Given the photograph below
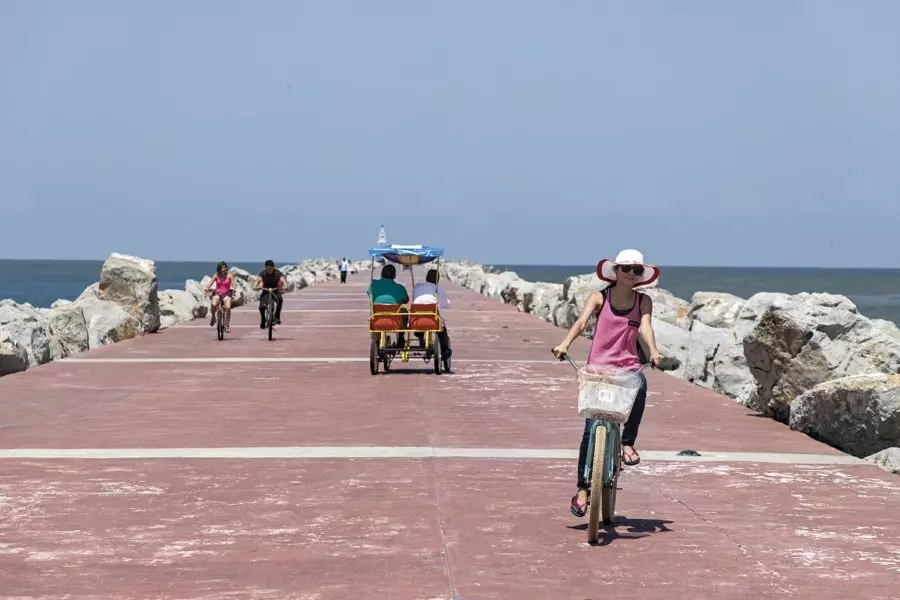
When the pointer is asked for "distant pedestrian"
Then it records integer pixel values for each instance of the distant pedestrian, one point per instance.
(345, 268)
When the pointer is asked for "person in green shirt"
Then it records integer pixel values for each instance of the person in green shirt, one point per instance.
(388, 291)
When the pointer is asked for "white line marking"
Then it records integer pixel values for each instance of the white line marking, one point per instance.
(409, 452)
(233, 326)
(356, 326)
(302, 299)
(284, 359)
(303, 310)
(366, 310)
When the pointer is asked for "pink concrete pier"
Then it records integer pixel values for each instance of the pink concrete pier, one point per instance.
(178, 466)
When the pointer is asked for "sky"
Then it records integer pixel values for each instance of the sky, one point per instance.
(702, 132)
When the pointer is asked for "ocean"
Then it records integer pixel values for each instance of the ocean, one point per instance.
(876, 292)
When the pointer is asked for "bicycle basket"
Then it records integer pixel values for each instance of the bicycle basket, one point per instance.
(606, 392)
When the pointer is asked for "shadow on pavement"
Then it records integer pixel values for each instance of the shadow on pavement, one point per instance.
(635, 528)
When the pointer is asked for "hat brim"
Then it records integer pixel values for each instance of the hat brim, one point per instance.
(606, 270)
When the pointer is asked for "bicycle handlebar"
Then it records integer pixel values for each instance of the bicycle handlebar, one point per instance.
(565, 356)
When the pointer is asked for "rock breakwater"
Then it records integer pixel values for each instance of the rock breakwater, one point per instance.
(808, 360)
(123, 304)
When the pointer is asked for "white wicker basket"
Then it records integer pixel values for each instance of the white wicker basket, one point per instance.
(606, 392)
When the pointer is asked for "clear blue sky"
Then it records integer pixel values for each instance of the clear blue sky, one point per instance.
(711, 132)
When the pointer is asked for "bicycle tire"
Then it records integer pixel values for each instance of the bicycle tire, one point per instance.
(436, 348)
(373, 356)
(220, 321)
(270, 314)
(596, 497)
(611, 474)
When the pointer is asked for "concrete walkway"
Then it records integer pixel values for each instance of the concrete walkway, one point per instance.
(178, 466)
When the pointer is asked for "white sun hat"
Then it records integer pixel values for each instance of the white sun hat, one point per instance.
(606, 269)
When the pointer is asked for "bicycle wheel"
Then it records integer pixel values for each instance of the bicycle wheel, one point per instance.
(373, 356)
(596, 498)
(220, 325)
(611, 473)
(436, 348)
(270, 315)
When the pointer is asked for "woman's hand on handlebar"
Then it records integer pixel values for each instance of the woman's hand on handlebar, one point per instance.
(560, 352)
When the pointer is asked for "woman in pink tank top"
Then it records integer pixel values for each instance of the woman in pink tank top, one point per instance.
(223, 282)
(623, 314)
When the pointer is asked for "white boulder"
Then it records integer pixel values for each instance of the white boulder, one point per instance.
(131, 283)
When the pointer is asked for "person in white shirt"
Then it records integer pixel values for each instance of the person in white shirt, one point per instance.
(345, 266)
(428, 292)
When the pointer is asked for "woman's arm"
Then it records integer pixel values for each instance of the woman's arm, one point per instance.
(646, 329)
(593, 303)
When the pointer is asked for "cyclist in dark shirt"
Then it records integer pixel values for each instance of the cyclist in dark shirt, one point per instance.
(270, 277)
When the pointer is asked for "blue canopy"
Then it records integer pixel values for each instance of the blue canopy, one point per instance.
(407, 255)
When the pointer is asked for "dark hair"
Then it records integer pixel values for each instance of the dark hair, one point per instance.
(270, 263)
(432, 276)
(220, 265)
(388, 271)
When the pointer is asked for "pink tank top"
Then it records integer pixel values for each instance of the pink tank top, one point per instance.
(615, 338)
(223, 286)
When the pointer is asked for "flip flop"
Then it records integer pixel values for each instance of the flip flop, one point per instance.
(633, 461)
(580, 512)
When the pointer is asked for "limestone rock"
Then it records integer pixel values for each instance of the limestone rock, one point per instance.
(68, 330)
(673, 343)
(703, 345)
(541, 298)
(179, 306)
(715, 309)
(27, 327)
(193, 287)
(859, 414)
(107, 322)
(888, 459)
(811, 339)
(131, 283)
(13, 357)
(669, 308)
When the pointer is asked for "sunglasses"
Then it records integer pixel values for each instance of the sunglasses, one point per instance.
(636, 269)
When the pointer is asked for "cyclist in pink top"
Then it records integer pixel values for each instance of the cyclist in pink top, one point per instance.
(622, 313)
(223, 282)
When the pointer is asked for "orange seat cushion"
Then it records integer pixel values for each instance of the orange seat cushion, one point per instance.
(385, 322)
(424, 317)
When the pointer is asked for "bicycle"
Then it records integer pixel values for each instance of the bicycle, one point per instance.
(220, 315)
(605, 395)
(270, 310)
